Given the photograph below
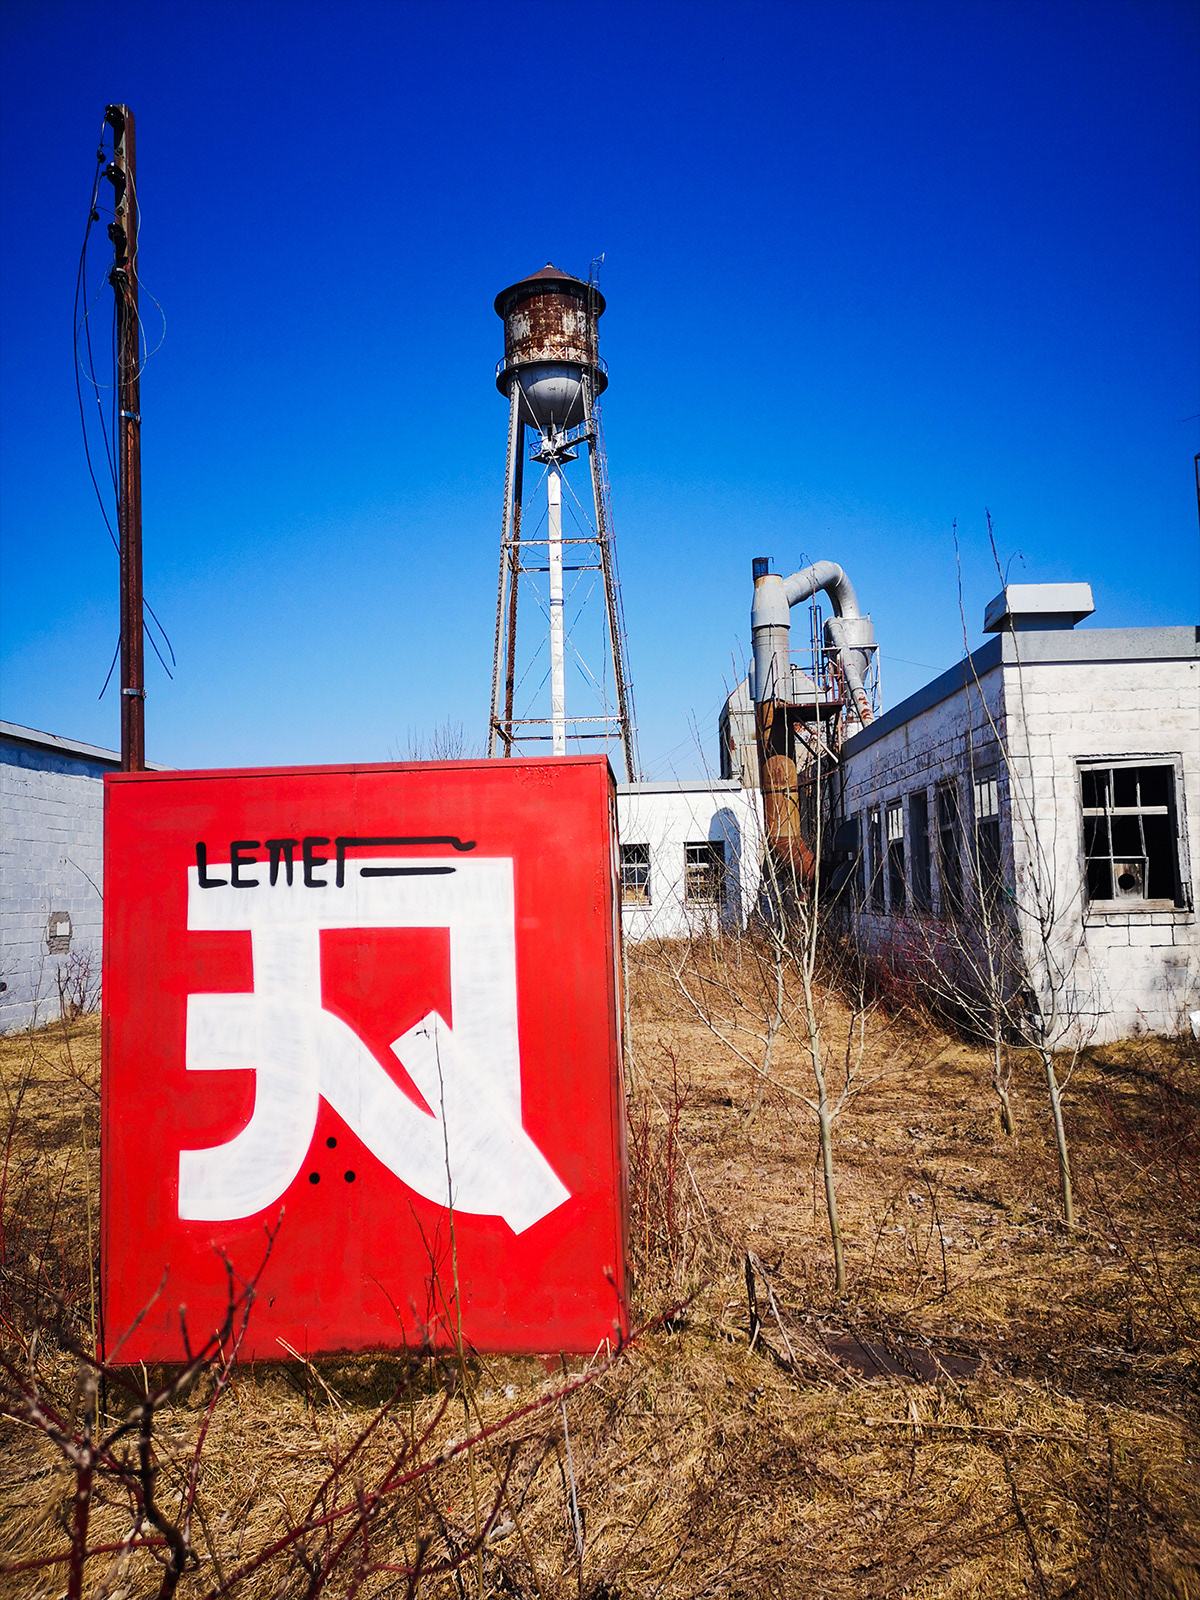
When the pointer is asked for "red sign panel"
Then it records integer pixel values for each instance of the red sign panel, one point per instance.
(363, 1006)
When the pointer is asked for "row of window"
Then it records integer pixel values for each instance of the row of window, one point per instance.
(1130, 843)
(703, 873)
(902, 878)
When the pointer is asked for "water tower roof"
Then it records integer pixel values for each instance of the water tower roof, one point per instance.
(547, 280)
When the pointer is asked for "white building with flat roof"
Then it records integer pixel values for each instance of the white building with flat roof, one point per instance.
(690, 857)
(1055, 774)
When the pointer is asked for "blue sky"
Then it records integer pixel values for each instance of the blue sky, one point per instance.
(870, 267)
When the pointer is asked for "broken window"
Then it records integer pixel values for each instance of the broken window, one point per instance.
(705, 868)
(989, 876)
(875, 837)
(635, 874)
(58, 933)
(918, 833)
(895, 857)
(847, 879)
(949, 850)
(1129, 833)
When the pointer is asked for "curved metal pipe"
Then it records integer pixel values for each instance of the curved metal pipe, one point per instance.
(848, 632)
(825, 575)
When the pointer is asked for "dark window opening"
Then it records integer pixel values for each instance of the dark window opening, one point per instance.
(848, 879)
(988, 868)
(918, 833)
(705, 868)
(991, 876)
(1129, 834)
(949, 851)
(635, 874)
(875, 836)
(895, 858)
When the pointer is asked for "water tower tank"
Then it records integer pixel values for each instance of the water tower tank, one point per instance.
(549, 343)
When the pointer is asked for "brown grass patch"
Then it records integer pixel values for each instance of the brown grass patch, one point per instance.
(994, 1408)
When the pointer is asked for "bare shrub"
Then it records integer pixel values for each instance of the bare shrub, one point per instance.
(449, 741)
(988, 1411)
(78, 982)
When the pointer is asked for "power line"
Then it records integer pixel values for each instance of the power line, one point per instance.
(108, 429)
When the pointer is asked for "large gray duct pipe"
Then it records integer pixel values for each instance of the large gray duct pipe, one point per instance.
(848, 632)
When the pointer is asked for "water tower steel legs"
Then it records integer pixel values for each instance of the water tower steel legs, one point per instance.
(508, 731)
(510, 656)
(558, 685)
(616, 621)
(509, 533)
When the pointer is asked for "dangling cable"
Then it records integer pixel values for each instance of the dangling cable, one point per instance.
(108, 429)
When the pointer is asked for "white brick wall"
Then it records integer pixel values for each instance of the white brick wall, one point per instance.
(51, 859)
(1128, 973)
(1144, 968)
(666, 819)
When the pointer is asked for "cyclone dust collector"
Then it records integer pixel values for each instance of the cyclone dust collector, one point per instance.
(552, 376)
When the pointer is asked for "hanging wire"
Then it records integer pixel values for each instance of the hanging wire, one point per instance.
(111, 667)
(81, 289)
(109, 428)
(143, 344)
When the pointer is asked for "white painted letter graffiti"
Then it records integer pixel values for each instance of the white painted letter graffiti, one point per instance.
(470, 1076)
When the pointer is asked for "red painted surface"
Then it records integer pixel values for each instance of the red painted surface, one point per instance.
(365, 1262)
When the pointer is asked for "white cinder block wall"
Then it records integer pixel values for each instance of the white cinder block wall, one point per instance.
(1031, 707)
(1134, 694)
(666, 817)
(951, 731)
(51, 861)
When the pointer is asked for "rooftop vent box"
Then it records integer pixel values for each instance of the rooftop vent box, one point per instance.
(1028, 607)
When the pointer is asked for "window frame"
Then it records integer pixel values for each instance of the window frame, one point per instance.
(948, 815)
(893, 834)
(921, 856)
(987, 839)
(716, 869)
(875, 864)
(1176, 812)
(643, 865)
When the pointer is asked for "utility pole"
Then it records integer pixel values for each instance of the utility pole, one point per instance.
(123, 231)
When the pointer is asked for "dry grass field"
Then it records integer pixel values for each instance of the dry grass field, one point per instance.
(993, 1407)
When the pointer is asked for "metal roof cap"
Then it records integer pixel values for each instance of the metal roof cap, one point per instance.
(1027, 607)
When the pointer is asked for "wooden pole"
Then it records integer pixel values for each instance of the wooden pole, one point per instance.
(122, 173)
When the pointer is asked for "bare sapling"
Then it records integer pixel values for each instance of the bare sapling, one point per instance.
(962, 966)
(736, 988)
(1028, 910)
(832, 1001)
(786, 988)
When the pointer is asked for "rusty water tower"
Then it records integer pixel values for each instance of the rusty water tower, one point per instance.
(552, 376)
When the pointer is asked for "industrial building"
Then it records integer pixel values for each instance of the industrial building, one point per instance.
(1058, 772)
(1042, 794)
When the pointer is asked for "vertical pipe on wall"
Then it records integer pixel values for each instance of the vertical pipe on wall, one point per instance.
(558, 693)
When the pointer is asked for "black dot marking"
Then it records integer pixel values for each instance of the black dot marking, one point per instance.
(331, 1142)
(314, 1177)
(349, 1177)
